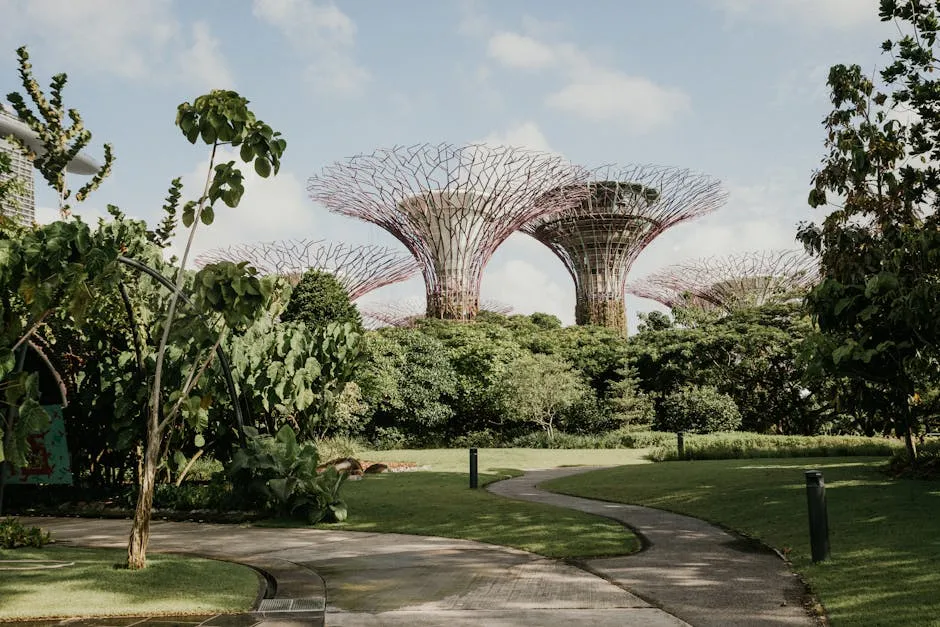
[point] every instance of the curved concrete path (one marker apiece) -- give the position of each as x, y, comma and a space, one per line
386, 579
693, 570
691, 573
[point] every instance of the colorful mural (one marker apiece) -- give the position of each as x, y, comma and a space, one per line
49, 454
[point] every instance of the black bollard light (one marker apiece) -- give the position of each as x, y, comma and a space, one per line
818, 516
680, 443
473, 469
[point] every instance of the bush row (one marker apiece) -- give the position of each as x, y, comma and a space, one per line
737, 445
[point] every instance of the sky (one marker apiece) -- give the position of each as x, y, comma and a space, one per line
732, 88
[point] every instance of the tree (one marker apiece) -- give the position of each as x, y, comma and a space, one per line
698, 409
408, 384
232, 292
481, 355
542, 387
630, 405
753, 355
877, 308
320, 299
46, 272
654, 321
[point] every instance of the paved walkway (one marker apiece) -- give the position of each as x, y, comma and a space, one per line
691, 573
691, 569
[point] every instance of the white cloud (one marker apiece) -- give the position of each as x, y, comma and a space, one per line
274, 208
526, 135
832, 14
608, 95
325, 36
592, 90
528, 289
520, 52
203, 63
140, 40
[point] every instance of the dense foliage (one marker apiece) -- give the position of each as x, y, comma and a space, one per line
320, 299
698, 409
878, 306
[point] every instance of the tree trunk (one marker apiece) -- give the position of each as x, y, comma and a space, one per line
140, 532
911, 446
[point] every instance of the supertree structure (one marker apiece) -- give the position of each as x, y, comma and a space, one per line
731, 282
404, 313
599, 235
360, 269
451, 206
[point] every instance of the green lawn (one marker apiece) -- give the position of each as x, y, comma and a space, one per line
495, 459
93, 586
883, 532
442, 504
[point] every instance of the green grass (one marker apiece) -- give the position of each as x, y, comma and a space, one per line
93, 586
494, 459
442, 504
883, 532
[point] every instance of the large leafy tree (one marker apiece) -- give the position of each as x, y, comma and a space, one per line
752, 355
877, 307
408, 384
320, 299
541, 389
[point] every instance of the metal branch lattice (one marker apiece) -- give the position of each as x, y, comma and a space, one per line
732, 282
451, 206
405, 313
600, 236
360, 269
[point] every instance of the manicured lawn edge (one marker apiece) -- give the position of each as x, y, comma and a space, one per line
172, 585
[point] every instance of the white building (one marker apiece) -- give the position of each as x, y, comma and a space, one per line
22, 205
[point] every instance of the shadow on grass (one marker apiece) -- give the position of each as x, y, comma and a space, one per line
95, 586
885, 548
442, 504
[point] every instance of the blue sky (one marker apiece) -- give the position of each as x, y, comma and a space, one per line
733, 88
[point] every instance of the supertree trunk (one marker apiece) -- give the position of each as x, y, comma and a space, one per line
605, 312
599, 236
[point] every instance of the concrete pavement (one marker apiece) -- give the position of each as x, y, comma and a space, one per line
693, 570
691, 573
391, 579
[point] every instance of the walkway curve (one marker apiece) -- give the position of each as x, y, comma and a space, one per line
362, 579
692, 569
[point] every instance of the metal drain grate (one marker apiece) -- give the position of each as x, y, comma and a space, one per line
292, 605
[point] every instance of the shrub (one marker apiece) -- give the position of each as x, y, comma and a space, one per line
203, 469
281, 476
698, 409
388, 439
216, 495
620, 438
740, 445
13, 534
339, 446
588, 416
485, 438
928, 462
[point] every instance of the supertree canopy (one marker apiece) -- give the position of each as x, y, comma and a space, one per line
599, 235
732, 282
360, 269
451, 206
406, 312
